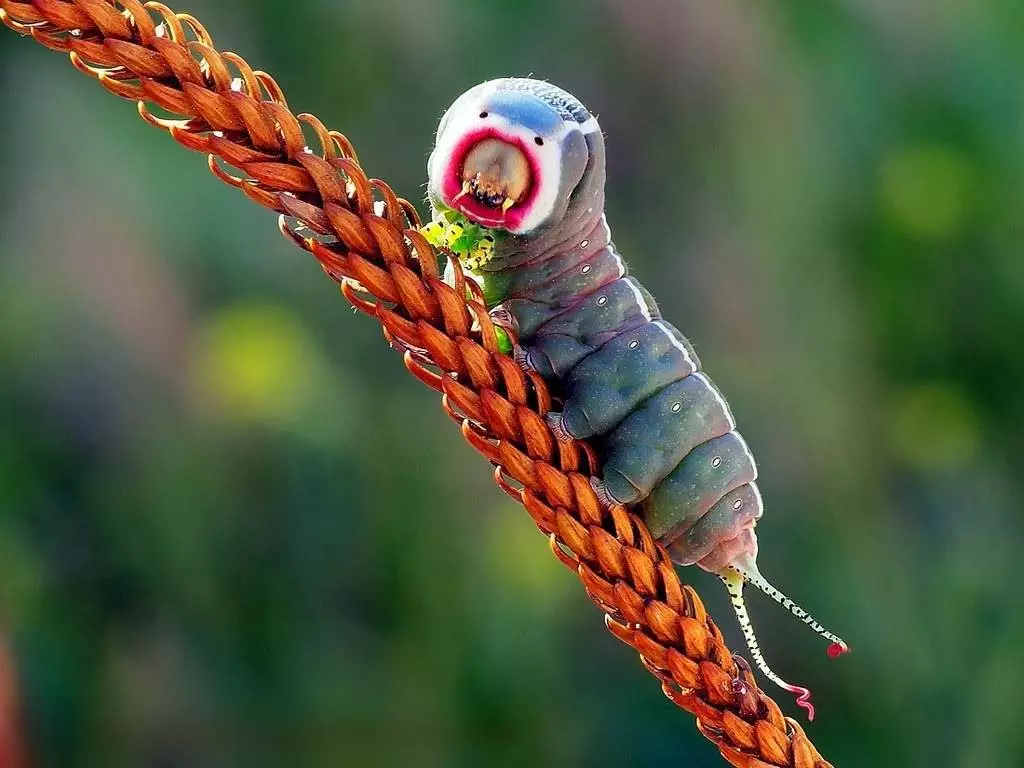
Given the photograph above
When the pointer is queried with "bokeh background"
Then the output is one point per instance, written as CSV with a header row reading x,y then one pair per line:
x,y
233,530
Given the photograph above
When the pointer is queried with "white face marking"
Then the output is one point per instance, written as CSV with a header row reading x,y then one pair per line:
x,y
737,505
590,126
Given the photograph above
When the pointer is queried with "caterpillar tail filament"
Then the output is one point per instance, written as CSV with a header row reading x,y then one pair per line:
x,y
734,577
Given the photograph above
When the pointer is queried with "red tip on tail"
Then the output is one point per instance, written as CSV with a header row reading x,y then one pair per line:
x,y
803,698
837,649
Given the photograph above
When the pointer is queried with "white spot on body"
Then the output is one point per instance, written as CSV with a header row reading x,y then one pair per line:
x,y
585,269
677,407
602,300
634,344
584,244
716,462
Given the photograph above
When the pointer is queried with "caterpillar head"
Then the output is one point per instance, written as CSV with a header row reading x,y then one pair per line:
x,y
518,155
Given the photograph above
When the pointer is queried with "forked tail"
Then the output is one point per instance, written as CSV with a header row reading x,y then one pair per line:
x,y
734,577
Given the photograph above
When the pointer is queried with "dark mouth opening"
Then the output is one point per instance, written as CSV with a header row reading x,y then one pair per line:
x,y
483,192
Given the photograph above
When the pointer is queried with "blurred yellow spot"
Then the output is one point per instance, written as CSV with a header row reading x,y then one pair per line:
x,y
928,189
934,427
256,362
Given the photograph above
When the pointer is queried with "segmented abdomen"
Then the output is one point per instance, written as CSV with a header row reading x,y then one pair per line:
x,y
632,382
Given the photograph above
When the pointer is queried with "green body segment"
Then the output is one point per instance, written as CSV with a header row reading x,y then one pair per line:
x,y
660,433
709,472
607,385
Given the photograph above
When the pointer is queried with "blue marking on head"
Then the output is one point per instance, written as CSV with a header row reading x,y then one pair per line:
x,y
526,110
568,106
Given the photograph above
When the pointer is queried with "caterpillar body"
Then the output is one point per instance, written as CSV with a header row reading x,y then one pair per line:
x,y
517,183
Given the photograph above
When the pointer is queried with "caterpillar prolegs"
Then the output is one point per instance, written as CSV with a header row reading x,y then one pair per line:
x,y
516,182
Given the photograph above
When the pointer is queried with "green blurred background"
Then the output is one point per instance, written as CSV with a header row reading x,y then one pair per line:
x,y
233,530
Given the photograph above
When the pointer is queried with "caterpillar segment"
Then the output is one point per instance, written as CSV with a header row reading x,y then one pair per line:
x,y
517,183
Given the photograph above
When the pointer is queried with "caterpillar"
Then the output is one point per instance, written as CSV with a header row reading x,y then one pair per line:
x,y
516,182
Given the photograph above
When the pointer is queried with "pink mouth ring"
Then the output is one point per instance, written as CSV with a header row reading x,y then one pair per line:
x,y
451,187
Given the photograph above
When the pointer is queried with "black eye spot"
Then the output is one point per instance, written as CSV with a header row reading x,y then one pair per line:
x,y
538,141
483,115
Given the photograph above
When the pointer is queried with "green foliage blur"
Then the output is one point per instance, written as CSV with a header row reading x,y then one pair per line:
x,y
234,531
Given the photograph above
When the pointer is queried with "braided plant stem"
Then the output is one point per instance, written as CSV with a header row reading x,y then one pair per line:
x,y
366,239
